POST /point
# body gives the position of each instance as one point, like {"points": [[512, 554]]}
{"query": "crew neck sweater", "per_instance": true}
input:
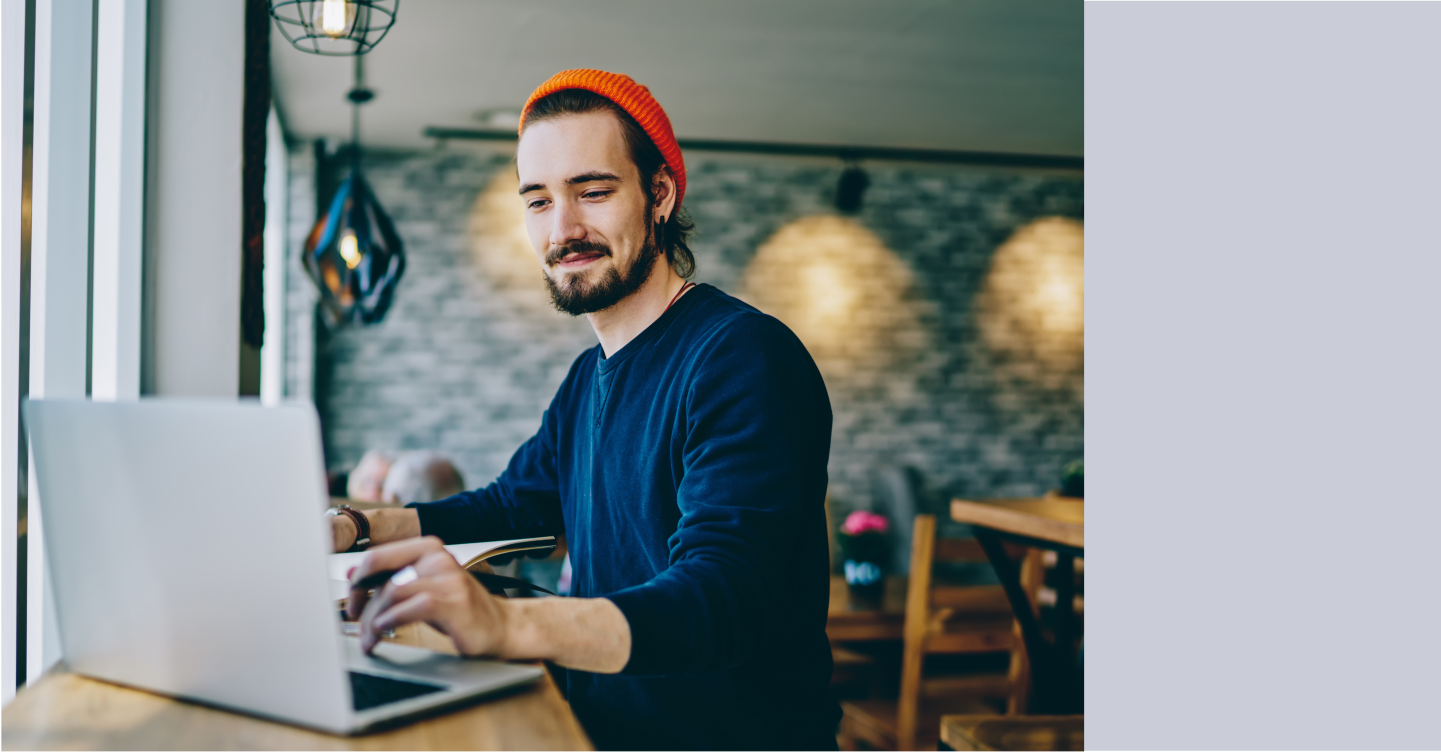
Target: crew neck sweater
{"points": [[688, 474]]}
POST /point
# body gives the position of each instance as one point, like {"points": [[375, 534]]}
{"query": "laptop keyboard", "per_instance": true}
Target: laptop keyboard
{"points": [[369, 691]]}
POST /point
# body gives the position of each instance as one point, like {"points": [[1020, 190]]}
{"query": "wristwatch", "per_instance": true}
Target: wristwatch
{"points": [[362, 525]]}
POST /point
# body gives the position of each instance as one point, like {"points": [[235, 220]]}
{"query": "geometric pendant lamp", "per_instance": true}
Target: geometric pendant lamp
{"points": [[353, 254]]}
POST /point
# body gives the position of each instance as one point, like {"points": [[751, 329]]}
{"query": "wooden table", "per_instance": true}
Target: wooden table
{"points": [[850, 619], [1051, 522], [68, 711], [1011, 732]]}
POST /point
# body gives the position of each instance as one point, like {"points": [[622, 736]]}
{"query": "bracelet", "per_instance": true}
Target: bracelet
{"points": [[362, 526]]}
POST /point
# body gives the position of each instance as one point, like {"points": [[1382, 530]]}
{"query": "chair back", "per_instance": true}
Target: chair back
{"points": [[945, 618]]}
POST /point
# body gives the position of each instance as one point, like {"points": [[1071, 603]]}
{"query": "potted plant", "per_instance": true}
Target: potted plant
{"points": [[1073, 479], [865, 543]]}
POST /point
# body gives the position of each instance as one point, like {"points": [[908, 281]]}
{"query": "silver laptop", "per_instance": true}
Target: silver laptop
{"points": [[187, 551]]}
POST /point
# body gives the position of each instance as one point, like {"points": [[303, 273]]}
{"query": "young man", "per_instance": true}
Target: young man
{"points": [[684, 459]]}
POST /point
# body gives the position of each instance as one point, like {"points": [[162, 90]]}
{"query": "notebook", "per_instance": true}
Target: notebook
{"points": [[468, 555]]}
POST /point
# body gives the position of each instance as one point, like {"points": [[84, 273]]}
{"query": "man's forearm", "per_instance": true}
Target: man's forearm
{"points": [[386, 525], [589, 634]]}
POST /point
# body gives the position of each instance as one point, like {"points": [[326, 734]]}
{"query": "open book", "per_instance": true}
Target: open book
{"points": [[469, 555]]}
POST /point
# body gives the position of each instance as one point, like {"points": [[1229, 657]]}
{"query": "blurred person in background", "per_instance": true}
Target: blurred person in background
{"points": [[419, 477], [683, 458], [367, 480]]}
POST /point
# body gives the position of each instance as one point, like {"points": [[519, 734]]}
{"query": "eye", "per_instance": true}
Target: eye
{"points": [[537, 203], [598, 193]]}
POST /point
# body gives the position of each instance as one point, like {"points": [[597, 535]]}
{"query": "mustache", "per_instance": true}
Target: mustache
{"points": [[555, 254]]}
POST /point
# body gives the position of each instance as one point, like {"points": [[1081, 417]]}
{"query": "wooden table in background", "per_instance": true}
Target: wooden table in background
{"points": [[1056, 520], [1025, 732], [852, 620], [68, 711], [1054, 523]]}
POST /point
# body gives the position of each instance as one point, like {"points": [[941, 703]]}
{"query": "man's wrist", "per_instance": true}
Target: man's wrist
{"points": [[521, 639], [347, 532]]}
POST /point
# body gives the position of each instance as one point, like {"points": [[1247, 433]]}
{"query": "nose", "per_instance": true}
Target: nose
{"points": [[565, 223]]}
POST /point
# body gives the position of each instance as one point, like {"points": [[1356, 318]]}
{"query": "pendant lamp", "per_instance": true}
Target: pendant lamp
{"points": [[334, 27], [353, 253]]}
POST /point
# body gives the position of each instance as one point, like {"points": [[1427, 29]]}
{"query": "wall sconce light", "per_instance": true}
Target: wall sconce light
{"points": [[851, 190], [353, 253], [335, 28], [1033, 303]]}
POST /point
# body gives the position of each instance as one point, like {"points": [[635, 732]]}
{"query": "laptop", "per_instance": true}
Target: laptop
{"points": [[187, 550]]}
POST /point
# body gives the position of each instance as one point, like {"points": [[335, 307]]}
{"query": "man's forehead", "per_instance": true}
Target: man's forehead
{"points": [[559, 148]]}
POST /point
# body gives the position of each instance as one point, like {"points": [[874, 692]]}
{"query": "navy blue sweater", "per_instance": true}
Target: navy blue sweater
{"points": [[688, 474]]}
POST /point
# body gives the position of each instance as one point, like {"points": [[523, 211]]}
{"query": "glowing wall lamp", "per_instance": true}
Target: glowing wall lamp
{"points": [[840, 289], [1034, 300]]}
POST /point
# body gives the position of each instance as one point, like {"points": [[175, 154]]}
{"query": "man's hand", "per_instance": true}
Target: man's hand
{"points": [[442, 595], [590, 634]]}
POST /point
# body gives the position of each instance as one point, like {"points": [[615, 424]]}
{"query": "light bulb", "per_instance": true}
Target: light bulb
{"points": [[350, 249], [334, 17]]}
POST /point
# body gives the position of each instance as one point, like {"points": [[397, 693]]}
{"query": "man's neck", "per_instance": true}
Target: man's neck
{"points": [[618, 325]]}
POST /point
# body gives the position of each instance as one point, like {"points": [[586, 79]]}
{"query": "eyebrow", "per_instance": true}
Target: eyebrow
{"points": [[585, 177]]}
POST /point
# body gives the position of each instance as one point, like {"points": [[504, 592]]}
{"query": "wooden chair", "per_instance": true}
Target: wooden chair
{"points": [[944, 619]]}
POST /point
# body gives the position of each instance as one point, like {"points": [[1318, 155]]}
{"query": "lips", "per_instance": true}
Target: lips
{"points": [[579, 259]]}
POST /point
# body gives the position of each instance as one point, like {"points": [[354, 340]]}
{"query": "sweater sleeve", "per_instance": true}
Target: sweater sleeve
{"points": [[524, 502], [758, 437]]}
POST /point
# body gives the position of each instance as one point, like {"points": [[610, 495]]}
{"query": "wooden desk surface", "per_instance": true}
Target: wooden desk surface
{"points": [[1012, 732], [1052, 518], [853, 620], [66, 711]]}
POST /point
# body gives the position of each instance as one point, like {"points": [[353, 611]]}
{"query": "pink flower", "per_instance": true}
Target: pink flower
{"points": [[860, 522]]}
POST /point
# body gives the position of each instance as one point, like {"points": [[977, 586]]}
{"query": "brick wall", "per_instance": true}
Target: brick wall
{"points": [[932, 361]]}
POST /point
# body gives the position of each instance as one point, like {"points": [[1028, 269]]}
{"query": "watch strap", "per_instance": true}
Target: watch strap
{"points": [[362, 528]]}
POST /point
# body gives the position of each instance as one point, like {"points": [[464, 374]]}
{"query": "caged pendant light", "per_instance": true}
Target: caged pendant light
{"points": [[334, 27], [353, 253]]}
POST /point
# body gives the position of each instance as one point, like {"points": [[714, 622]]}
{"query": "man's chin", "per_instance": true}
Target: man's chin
{"points": [[597, 286]]}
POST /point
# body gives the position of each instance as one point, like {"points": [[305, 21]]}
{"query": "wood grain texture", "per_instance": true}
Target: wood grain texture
{"points": [[1029, 732], [67, 711], [1055, 519], [918, 604], [938, 619]]}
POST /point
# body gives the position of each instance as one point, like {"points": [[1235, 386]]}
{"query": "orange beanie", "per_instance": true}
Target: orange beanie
{"points": [[634, 99]]}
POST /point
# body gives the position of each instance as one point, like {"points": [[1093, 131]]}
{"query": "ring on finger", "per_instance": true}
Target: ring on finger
{"points": [[404, 576]]}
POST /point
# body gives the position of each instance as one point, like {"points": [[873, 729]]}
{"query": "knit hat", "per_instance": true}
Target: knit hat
{"points": [[631, 97]]}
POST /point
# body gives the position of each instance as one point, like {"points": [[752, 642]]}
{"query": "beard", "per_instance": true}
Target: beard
{"points": [[582, 294]]}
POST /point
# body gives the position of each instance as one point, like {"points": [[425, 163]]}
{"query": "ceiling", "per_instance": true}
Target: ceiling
{"points": [[986, 75]]}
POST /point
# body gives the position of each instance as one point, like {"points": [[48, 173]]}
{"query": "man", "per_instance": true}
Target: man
{"points": [[684, 459], [420, 476], [367, 481]]}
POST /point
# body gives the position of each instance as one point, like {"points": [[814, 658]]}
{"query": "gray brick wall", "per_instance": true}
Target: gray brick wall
{"points": [[470, 354]]}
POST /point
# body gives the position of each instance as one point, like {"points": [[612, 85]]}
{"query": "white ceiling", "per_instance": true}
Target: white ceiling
{"points": [[990, 75]]}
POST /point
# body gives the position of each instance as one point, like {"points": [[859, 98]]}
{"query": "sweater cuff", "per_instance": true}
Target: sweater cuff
{"points": [[448, 519], [654, 646]]}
